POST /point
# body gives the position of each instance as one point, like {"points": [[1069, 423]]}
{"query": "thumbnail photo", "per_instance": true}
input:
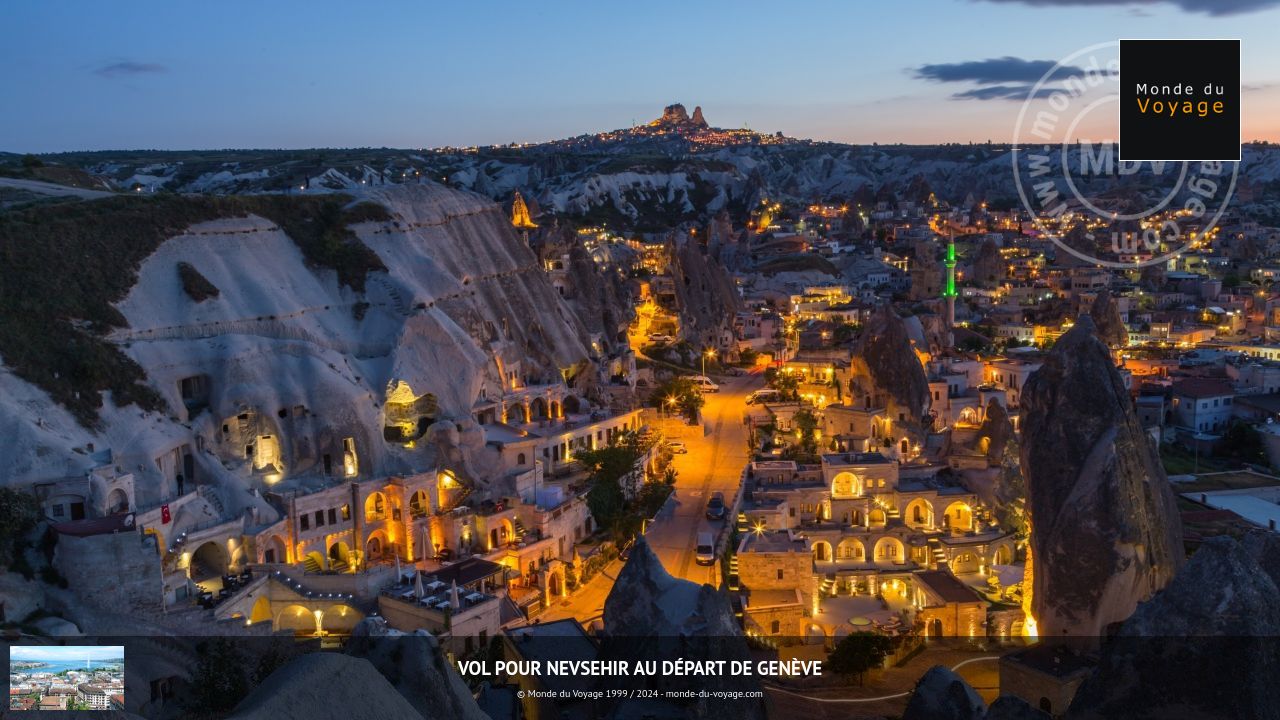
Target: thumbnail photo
{"points": [[66, 677]]}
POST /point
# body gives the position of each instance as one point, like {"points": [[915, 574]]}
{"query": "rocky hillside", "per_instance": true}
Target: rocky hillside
{"points": [[322, 316], [1222, 611]]}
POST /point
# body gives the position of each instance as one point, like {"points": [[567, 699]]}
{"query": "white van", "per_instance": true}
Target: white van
{"points": [[763, 396], [703, 383], [706, 550]]}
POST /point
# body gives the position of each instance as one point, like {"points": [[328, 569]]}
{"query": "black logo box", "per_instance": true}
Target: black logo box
{"points": [[1185, 64]]}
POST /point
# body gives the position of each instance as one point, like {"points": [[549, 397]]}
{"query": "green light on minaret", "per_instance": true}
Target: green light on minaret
{"points": [[951, 269]]}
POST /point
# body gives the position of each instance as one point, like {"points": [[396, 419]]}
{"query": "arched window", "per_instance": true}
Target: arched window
{"points": [[1046, 705], [520, 459], [418, 505], [375, 508]]}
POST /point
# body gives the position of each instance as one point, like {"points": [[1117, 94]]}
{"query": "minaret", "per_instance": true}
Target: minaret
{"points": [[950, 292]]}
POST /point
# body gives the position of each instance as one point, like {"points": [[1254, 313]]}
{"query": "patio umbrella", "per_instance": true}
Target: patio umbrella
{"points": [[417, 585], [453, 595]]}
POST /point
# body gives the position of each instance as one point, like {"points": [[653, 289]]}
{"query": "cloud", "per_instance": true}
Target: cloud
{"points": [[1006, 69], [1208, 7], [1001, 92], [993, 70], [120, 68], [1004, 78]]}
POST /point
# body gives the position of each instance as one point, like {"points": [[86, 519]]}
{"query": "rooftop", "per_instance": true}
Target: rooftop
{"points": [[944, 585], [555, 641], [465, 572], [775, 541], [120, 522], [867, 458], [772, 598], [1202, 388]]}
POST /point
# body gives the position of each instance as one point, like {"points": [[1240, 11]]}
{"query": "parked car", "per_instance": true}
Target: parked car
{"points": [[706, 549], [703, 383], [715, 507], [765, 395], [676, 447], [659, 338]]}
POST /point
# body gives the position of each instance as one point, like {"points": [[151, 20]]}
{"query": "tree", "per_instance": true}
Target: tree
{"points": [[1243, 443], [845, 332], [787, 384], [669, 475], [807, 425], [857, 653], [679, 393], [19, 512], [608, 468]]}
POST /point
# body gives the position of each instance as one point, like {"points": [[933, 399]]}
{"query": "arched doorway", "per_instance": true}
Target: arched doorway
{"points": [[518, 413], [275, 551], [1003, 555], [814, 635], [340, 619], [376, 546], [876, 518], [822, 551], [935, 628], [572, 404], [209, 562], [538, 409], [919, 514], [339, 556], [297, 619], [117, 501], [261, 611]]}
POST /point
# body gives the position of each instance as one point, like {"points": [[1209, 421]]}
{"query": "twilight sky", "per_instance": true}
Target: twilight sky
{"points": [[89, 75]]}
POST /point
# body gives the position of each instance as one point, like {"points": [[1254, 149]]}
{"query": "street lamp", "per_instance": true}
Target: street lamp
{"points": [[710, 353]]}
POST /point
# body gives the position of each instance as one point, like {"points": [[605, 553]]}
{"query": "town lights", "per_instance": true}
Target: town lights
{"points": [[710, 353]]}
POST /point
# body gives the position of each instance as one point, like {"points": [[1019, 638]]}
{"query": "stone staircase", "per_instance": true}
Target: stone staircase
{"points": [[936, 553], [311, 565], [518, 530], [828, 588], [212, 497]]}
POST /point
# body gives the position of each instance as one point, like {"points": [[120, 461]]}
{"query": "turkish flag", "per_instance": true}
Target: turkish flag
{"points": [[164, 514]]}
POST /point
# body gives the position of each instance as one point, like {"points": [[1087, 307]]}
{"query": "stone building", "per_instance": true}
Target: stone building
{"points": [[858, 525]]}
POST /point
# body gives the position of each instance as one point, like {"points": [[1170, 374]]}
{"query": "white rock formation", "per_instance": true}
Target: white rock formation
{"points": [[286, 351]]}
